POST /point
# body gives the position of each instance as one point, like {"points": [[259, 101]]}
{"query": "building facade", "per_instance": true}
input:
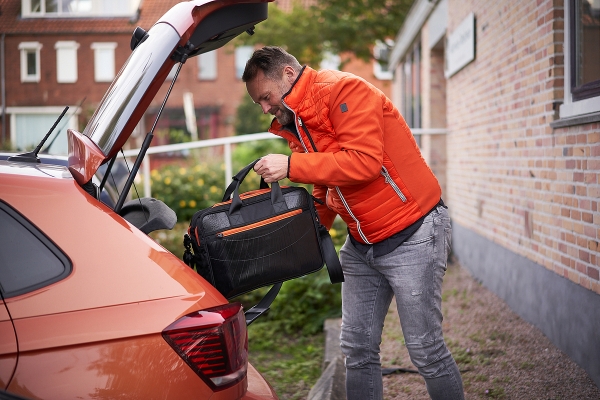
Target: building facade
{"points": [[67, 53], [516, 85]]}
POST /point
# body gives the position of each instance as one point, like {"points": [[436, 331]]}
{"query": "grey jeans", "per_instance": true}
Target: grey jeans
{"points": [[413, 273]]}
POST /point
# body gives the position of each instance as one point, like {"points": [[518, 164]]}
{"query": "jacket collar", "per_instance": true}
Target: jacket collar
{"points": [[297, 92], [294, 97]]}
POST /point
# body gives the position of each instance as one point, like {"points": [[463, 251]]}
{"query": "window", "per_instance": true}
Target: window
{"points": [[78, 8], [411, 87], [585, 41], [104, 61], [207, 66], [66, 61], [30, 61], [381, 52], [330, 61], [28, 125], [242, 55], [582, 58], [28, 259]]}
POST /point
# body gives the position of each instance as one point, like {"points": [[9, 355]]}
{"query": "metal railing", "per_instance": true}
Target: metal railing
{"points": [[226, 142]]}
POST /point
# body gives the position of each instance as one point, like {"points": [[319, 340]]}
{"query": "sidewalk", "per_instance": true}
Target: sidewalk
{"points": [[500, 355]]}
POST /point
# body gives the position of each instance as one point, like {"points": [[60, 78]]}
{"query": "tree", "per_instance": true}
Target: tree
{"points": [[297, 31], [344, 27]]}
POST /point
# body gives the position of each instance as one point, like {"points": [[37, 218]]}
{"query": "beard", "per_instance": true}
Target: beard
{"points": [[285, 117]]}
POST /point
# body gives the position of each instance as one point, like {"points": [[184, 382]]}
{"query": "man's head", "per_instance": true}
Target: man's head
{"points": [[269, 74]]}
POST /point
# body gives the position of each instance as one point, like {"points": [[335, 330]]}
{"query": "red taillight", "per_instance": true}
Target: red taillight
{"points": [[214, 343]]}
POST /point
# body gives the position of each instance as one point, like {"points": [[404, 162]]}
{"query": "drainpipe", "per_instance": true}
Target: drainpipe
{"points": [[2, 90]]}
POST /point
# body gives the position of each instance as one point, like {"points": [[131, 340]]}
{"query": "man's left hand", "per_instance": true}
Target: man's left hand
{"points": [[272, 167]]}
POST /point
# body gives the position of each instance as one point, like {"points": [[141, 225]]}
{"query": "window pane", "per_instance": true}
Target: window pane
{"points": [[31, 128], [36, 6], [588, 42], [51, 6], [76, 6], [28, 260], [242, 55], [66, 62], [104, 64], [31, 62], [207, 66]]}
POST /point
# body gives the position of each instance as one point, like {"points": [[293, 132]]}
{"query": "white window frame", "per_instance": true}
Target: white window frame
{"points": [[66, 49], [330, 61], [104, 70], [71, 118], [93, 9], [24, 48], [377, 69], [207, 66], [571, 108], [242, 55]]}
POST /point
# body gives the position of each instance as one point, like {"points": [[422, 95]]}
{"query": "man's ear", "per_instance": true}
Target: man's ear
{"points": [[290, 74]]}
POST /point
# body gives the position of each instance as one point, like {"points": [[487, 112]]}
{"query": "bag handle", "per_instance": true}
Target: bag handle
{"points": [[236, 202]]}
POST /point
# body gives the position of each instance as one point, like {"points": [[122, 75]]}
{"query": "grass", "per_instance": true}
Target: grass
{"points": [[291, 364]]}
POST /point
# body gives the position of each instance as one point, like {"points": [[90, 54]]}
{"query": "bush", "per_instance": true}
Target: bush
{"points": [[187, 189]]}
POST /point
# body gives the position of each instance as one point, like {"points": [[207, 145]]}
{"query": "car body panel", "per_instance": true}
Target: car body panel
{"points": [[145, 368], [122, 245], [8, 346], [96, 329]]}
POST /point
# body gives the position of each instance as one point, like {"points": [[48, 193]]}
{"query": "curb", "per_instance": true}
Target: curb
{"points": [[332, 383]]}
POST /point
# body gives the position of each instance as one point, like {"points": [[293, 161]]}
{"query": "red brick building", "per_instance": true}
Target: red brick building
{"points": [[69, 56], [66, 53], [516, 84]]}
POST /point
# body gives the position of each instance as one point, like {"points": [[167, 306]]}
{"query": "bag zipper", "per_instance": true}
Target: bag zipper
{"points": [[390, 181], [268, 221]]}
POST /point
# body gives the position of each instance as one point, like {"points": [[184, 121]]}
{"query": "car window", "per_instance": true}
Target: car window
{"points": [[28, 259]]}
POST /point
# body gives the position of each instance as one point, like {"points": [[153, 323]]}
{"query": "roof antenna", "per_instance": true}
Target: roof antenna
{"points": [[32, 156]]}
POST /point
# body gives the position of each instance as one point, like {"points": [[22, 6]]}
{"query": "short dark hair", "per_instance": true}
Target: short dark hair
{"points": [[271, 60]]}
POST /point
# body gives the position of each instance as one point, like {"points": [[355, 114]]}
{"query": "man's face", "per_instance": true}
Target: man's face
{"points": [[268, 93]]}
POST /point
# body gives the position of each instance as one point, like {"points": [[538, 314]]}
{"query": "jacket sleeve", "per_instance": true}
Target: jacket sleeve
{"points": [[326, 216], [356, 114]]}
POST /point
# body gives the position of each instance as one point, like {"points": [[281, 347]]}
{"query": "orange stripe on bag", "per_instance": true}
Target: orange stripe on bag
{"points": [[259, 224], [248, 195]]}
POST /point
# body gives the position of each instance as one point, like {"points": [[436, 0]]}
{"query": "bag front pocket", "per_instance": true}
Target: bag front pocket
{"points": [[266, 252], [256, 225]]}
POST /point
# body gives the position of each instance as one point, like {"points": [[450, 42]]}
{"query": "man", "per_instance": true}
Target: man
{"points": [[349, 140]]}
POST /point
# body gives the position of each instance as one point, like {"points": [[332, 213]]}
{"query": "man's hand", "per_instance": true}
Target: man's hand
{"points": [[272, 167]]}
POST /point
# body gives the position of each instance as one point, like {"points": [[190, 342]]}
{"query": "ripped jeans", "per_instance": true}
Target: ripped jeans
{"points": [[413, 273]]}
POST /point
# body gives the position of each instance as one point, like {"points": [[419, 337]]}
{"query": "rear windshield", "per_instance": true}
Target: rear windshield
{"points": [[118, 107]]}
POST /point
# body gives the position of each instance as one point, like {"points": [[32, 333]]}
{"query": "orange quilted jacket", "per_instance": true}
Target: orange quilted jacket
{"points": [[359, 153]]}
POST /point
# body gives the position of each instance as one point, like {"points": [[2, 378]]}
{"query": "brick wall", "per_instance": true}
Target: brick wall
{"points": [[512, 178]]}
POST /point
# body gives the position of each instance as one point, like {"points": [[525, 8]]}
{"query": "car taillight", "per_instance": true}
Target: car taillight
{"points": [[214, 343]]}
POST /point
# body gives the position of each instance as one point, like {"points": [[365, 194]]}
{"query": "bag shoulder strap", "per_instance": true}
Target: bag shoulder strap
{"points": [[263, 305], [334, 268]]}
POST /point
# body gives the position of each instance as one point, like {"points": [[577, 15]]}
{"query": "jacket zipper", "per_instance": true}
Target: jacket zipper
{"points": [[339, 192], [297, 120], [388, 179], [268, 221], [305, 129], [360, 232]]}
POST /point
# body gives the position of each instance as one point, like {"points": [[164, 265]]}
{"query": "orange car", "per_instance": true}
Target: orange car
{"points": [[91, 306]]}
